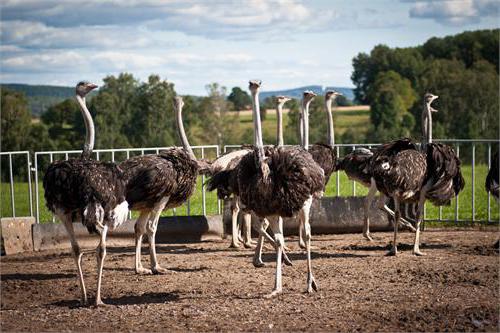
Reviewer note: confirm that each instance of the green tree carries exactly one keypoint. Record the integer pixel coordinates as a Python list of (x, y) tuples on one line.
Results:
[(113, 108), (391, 96), (152, 117), (65, 125), (218, 126), (16, 120), (240, 98)]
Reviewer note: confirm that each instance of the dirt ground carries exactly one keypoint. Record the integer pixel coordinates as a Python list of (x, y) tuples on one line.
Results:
[(455, 287)]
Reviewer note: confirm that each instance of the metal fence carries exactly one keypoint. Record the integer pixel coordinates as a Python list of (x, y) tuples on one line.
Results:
[(473, 205)]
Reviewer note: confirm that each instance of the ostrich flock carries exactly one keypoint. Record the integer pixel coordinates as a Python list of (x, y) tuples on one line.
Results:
[(271, 182)]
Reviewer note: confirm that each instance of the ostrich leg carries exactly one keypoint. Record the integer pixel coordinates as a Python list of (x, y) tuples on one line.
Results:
[(140, 230), (247, 225), (101, 254), (151, 228), (404, 222), (276, 224), (235, 209), (257, 258), (311, 282), (397, 215), (302, 243), (420, 209), (68, 224), (368, 203)]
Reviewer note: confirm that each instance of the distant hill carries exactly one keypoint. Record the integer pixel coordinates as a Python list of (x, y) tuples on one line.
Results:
[(297, 92), (40, 98)]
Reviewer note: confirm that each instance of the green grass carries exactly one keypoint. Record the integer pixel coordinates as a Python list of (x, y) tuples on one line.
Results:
[(343, 120), (345, 189)]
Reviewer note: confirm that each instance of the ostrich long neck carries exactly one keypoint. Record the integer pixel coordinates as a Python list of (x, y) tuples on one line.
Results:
[(89, 127), (279, 114), (182, 133), (301, 126), (305, 124), (331, 133), (426, 125), (257, 124)]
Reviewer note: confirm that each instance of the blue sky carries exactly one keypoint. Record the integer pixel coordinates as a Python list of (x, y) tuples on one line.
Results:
[(192, 43)]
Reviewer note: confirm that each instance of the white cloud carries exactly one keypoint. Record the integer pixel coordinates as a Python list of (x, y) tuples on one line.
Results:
[(455, 12)]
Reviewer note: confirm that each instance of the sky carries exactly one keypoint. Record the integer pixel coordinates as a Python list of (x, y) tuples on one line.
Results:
[(286, 44)]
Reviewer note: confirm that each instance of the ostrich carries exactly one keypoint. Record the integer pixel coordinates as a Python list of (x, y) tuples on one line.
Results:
[(408, 174), (278, 182), (224, 180), (93, 192), (323, 154), (158, 182)]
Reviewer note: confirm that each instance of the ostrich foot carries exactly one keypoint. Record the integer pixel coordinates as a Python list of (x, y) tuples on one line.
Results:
[(99, 303), (311, 285), (286, 260), (392, 253), (258, 263), (367, 236), (249, 245), (418, 253), (235, 245), (302, 244), (274, 293), (142, 270), (84, 302), (159, 270)]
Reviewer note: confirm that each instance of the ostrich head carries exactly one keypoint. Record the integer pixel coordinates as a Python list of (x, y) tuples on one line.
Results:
[(308, 96), (84, 87), (428, 99), (282, 99), (178, 102), (331, 95), (254, 85)]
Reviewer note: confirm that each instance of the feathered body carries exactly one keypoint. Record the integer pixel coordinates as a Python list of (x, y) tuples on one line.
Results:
[(399, 170), (325, 156), (89, 190), (223, 175), (357, 165), (292, 178), (492, 182), (149, 178), (443, 172)]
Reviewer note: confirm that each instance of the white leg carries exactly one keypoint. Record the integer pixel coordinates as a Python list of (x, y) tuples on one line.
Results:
[(257, 258), (151, 228), (277, 227), (402, 221), (368, 202), (68, 223), (235, 209), (101, 254), (311, 282), (420, 210), (397, 215), (247, 225), (140, 230), (302, 243)]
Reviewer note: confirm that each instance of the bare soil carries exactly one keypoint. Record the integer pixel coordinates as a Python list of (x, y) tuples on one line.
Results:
[(455, 287)]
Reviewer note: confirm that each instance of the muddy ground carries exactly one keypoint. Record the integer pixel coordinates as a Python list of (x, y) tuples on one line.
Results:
[(455, 287)]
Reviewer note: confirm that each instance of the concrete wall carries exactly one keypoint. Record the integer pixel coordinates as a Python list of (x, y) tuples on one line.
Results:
[(330, 216)]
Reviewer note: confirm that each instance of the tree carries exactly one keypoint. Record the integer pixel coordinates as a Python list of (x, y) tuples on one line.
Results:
[(391, 96), (152, 119), (65, 125), (112, 108), (240, 98), (218, 126), (15, 120)]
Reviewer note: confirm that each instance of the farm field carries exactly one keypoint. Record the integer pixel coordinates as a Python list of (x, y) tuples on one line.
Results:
[(213, 288), (345, 189)]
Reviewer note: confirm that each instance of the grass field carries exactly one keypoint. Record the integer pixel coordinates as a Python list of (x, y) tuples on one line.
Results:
[(345, 189), (344, 119)]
